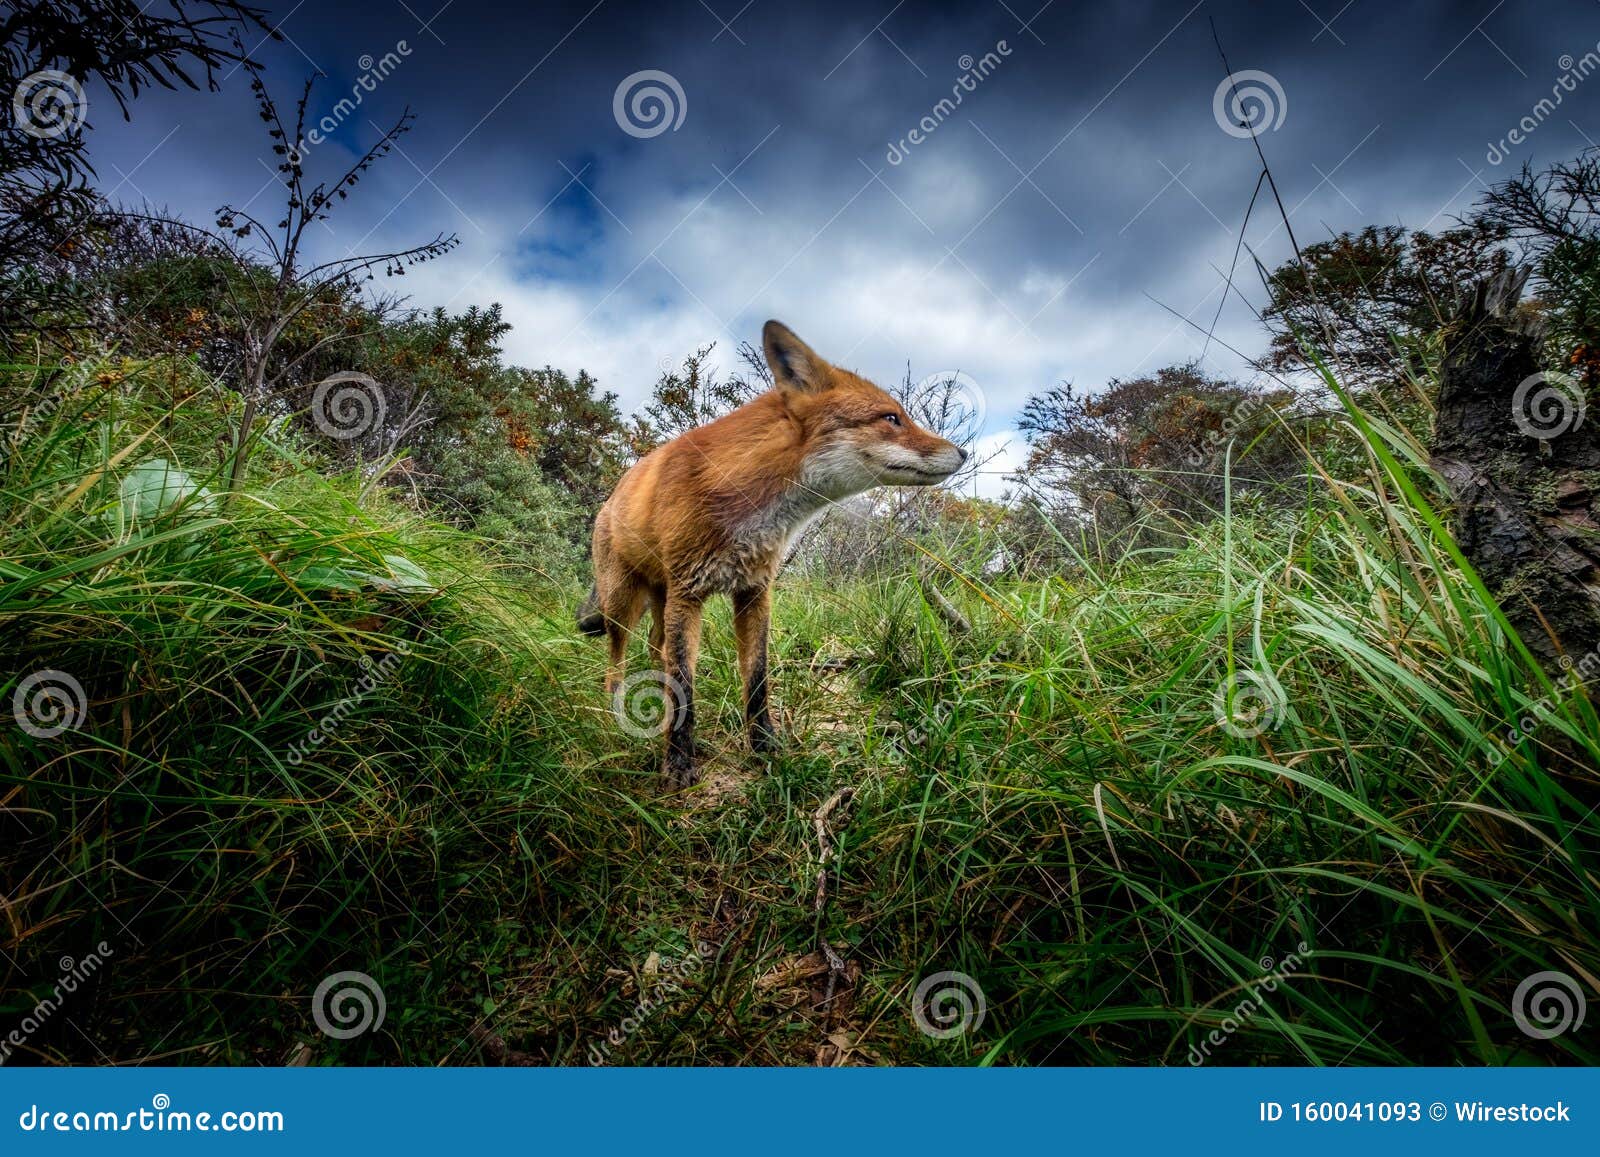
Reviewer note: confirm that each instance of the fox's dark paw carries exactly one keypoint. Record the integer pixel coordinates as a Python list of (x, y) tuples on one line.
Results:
[(765, 741), (680, 772)]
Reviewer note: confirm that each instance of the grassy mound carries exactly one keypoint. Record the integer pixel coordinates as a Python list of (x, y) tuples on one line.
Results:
[(314, 733)]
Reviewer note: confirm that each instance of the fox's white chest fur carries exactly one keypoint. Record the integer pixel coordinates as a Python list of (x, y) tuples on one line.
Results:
[(758, 544)]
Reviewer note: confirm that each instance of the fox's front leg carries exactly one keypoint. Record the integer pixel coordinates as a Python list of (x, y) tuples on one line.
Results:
[(681, 645), (752, 611)]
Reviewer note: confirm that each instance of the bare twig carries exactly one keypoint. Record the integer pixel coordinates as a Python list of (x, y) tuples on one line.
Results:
[(825, 853), (824, 846), (941, 604)]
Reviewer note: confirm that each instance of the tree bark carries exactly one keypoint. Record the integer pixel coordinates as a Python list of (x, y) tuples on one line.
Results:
[(1524, 473)]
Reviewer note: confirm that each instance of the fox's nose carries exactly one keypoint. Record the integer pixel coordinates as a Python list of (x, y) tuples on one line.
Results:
[(962, 453)]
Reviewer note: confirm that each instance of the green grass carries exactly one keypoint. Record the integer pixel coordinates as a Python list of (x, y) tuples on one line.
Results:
[(1049, 804)]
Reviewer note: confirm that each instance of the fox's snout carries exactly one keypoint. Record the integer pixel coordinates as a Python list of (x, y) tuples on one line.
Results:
[(889, 451), (899, 466)]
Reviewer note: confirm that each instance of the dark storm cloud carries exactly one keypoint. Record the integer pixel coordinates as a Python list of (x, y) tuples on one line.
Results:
[(1020, 241)]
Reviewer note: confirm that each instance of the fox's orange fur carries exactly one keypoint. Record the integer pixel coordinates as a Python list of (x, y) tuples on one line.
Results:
[(714, 511)]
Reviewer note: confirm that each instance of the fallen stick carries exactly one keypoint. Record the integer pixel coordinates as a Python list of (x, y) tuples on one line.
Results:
[(836, 965), (824, 847), (941, 605)]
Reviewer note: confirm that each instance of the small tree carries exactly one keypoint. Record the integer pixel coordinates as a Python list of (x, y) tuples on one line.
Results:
[(1555, 215), (1144, 456), (692, 395), (49, 51), (277, 285), (523, 457), (577, 438), (1379, 297)]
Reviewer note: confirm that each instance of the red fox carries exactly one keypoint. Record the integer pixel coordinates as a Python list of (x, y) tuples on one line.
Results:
[(714, 511)]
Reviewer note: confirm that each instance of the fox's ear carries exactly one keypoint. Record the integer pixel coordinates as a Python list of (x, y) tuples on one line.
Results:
[(794, 365)]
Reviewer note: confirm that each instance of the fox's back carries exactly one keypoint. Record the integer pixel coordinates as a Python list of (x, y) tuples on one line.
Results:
[(695, 505)]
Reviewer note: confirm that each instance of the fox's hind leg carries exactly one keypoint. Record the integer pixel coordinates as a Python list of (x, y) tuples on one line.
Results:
[(752, 611), (622, 609), (656, 599), (681, 645)]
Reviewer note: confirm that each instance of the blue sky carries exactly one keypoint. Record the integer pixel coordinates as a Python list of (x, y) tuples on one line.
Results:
[(1040, 232)]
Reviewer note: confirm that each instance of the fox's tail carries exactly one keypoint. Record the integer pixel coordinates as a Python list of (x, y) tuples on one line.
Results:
[(590, 619)]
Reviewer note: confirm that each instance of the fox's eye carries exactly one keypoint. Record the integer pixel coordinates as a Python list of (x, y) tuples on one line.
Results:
[(892, 419)]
